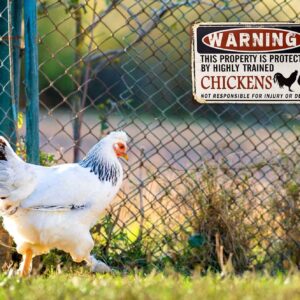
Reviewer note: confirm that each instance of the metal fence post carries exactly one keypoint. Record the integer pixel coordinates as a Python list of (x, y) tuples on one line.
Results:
[(7, 124), (31, 81), (16, 16)]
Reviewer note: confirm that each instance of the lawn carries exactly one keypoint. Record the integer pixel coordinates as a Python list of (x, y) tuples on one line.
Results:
[(153, 286)]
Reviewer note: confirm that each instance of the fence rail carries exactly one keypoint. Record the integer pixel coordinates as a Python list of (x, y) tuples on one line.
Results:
[(198, 175)]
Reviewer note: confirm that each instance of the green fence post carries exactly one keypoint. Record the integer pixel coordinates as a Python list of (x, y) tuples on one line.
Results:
[(31, 81), (7, 124), (16, 13)]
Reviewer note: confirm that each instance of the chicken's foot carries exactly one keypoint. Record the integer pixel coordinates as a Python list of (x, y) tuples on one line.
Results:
[(97, 266)]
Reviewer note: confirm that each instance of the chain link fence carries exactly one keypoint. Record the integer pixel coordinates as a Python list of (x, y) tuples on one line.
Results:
[(7, 109), (7, 121), (203, 181)]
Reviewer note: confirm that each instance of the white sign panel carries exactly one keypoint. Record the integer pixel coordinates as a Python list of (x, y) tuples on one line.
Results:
[(246, 63)]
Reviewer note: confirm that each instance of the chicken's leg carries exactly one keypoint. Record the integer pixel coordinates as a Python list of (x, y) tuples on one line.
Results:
[(25, 266), (82, 252), (97, 266)]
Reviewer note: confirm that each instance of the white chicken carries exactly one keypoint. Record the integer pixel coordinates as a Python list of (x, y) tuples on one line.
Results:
[(55, 207)]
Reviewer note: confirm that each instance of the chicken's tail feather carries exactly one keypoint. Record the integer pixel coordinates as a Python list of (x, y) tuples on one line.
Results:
[(6, 151), (278, 79), (2, 149), (7, 159)]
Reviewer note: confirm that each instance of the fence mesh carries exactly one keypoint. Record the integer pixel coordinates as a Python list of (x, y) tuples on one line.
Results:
[(7, 113), (195, 172), (6, 93)]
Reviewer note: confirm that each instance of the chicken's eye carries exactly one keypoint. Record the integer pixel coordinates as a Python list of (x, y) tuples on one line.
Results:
[(120, 147)]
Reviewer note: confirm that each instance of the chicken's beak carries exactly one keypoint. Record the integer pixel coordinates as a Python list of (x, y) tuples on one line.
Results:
[(125, 156)]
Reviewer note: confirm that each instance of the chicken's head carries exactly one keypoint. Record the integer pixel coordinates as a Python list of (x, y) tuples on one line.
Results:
[(111, 147), (119, 143)]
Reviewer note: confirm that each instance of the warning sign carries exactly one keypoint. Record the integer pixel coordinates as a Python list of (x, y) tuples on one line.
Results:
[(246, 63)]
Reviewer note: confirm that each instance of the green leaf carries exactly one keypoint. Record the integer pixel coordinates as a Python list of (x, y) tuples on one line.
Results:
[(20, 120), (196, 241), (104, 126), (226, 3)]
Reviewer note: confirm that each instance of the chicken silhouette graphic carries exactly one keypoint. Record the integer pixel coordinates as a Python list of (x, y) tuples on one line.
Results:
[(282, 81)]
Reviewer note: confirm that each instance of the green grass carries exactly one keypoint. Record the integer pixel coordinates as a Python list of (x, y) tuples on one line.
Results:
[(153, 286)]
